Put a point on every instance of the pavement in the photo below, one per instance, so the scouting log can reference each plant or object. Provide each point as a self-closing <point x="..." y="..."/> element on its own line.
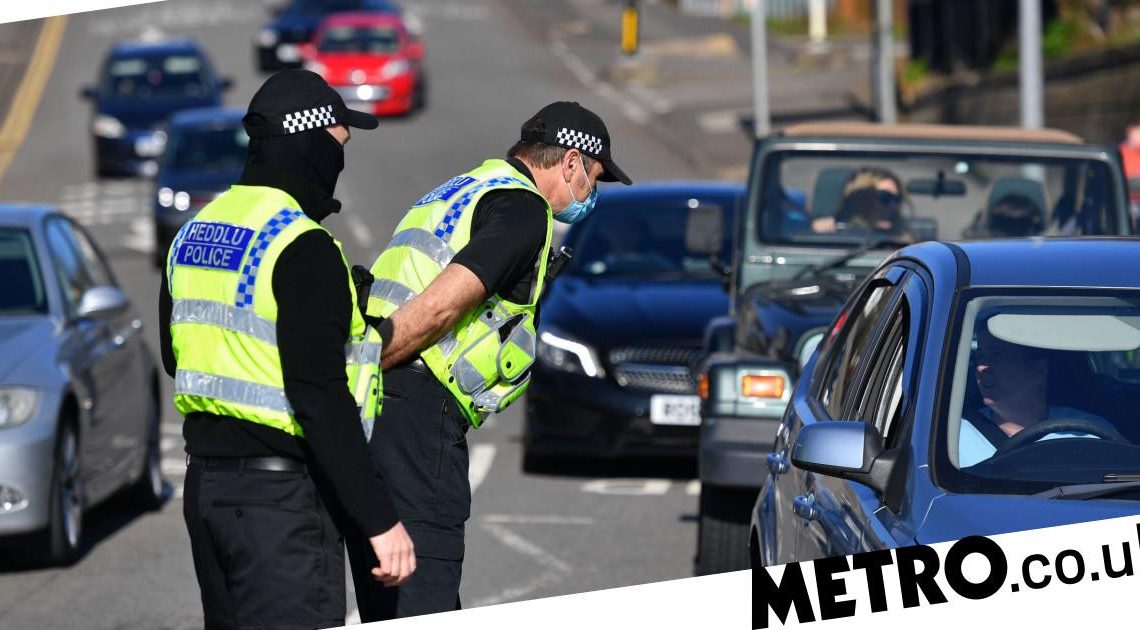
<point x="690" y="82"/>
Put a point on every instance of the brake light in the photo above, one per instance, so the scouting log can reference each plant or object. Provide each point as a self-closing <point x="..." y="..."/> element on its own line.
<point x="703" y="387"/>
<point x="762" y="386"/>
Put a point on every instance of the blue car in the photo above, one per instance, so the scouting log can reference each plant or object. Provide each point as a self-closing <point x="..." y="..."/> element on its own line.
<point x="964" y="389"/>
<point x="204" y="156"/>
<point x="620" y="325"/>
<point x="278" y="43"/>
<point x="140" y="85"/>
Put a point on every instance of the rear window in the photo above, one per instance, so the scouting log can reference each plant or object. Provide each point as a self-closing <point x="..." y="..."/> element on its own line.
<point x="376" y="40"/>
<point x="211" y="149"/>
<point x="21" y="284"/>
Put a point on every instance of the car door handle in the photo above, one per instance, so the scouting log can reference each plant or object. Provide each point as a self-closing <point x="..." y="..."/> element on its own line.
<point x="777" y="463"/>
<point x="805" y="507"/>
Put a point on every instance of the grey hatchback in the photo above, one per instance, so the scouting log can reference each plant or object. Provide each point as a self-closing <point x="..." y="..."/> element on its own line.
<point x="79" y="393"/>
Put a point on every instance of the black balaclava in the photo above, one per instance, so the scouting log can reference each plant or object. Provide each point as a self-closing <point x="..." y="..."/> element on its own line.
<point x="305" y="165"/>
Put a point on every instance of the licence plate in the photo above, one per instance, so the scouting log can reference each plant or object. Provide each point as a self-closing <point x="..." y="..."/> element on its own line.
<point x="675" y="410"/>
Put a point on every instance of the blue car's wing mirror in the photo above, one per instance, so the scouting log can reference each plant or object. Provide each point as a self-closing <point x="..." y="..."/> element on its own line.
<point x="854" y="451"/>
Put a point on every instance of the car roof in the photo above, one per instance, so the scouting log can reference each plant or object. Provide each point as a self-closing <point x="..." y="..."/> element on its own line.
<point x="23" y="215"/>
<point x="206" y="115"/>
<point x="1072" y="262"/>
<point x="914" y="131"/>
<point x="362" y="18"/>
<point x="179" y="45"/>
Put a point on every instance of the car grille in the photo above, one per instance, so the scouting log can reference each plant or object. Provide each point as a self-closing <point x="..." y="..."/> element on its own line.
<point x="659" y="369"/>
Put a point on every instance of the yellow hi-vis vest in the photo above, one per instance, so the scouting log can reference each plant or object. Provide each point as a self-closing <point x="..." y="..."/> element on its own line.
<point x="485" y="360"/>
<point x="224" y="320"/>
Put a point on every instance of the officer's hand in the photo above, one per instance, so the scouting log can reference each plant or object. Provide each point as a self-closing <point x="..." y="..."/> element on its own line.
<point x="396" y="554"/>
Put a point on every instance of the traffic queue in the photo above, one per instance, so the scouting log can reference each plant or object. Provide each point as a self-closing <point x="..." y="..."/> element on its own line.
<point x="829" y="333"/>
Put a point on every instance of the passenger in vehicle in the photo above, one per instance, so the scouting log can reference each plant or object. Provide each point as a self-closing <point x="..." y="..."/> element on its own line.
<point x="872" y="201"/>
<point x="1013" y="382"/>
<point x="1012" y="216"/>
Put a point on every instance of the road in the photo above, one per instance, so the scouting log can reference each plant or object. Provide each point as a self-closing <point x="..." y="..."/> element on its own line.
<point x="529" y="536"/>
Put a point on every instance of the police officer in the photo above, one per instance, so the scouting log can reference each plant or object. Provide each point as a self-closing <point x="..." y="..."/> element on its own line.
<point x="457" y="288"/>
<point x="272" y="367"/>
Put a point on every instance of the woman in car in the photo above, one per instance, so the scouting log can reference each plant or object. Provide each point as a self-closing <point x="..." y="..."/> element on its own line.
<point x="872" y="202"/>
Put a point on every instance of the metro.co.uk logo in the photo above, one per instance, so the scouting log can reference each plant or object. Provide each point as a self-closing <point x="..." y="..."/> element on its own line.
<point x="973" y="568"/>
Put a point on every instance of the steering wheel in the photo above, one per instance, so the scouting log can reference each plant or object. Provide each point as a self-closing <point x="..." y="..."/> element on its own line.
<point x="1098" y="428"/>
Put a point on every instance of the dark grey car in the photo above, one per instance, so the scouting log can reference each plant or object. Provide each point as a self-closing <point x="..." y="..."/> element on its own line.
<point x="79" y="393"/>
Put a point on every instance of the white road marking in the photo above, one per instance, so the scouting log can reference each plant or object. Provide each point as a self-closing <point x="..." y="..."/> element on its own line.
<point x="359" y="230"/>
<point x="169" y="443"/>
<point x="556" y="570"/>
<point x="523" y="519"/>
<point x="175" y="467"/>
<point x="482" y="455"/>
<point x="651" y="98"/>
<point x="586" y="76"/>
<point x="459" y="11"/>
<point x="172" y="15"/>
<point x="693" y="488"/>
<point x="628" y="487"/>
<point x="172" y="429"/>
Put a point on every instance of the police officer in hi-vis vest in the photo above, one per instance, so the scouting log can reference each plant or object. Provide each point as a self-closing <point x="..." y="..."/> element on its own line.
<point x="455" y="295"/>
<point x="277" y="375"/>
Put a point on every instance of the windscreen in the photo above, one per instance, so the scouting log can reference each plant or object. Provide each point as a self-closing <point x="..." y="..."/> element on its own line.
<point x="644" y="238"/>
<point x="376" y="40"/>
<point x="839" y="198"/>
<point x="156" y="76"/>
<point x="211" y="149"/>
<point x="1044" y="392"/>
<point x="21" y="285"/>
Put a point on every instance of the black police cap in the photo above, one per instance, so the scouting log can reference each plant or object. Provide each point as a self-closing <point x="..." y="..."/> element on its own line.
<point x="293" y="101"/>
<point x="572" y="126"/>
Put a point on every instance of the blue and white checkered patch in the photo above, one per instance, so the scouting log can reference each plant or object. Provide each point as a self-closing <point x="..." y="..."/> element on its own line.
<point x="269" y="231"/>
<point x="447" y="225"/>
<point x="445" y="191"/>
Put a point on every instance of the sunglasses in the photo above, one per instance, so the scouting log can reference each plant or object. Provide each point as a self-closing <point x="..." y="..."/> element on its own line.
<point x="888" y="198"/>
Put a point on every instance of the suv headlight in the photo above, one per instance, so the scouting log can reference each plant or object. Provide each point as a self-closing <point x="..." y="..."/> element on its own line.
<point x="107" y="127"/>
<point x="394" y="68"/>
<point x="17" y="405"/>
<point x="267" y="37"/>
<point x="565" y="354"/>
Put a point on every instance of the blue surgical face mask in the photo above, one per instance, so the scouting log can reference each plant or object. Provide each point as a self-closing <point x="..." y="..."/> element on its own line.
<point x="576" y="210"/>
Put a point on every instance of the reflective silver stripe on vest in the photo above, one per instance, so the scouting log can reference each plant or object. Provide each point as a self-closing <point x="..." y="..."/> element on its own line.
<point x="362" y="353"/>
<point x="231" y="390"/>
<point x="391" y="291"/>
<point x="426" y="243"/>
<point x="231" y="318"/>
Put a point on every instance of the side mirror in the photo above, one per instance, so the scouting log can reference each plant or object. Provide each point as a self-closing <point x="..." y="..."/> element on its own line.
<point x="308" y="50"/>
<point x="99" y="301"/>
<point x="853" y="451"/>
<point x="88" y="92"/>
<point x="704" y="230"/>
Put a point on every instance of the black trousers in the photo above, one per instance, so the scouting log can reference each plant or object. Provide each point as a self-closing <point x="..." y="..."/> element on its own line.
<point x="419" y="443"/>
<point x="266" y="552"/>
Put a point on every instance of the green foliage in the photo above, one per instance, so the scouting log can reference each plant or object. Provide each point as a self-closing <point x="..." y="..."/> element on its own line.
<point x="1059" y="37"/>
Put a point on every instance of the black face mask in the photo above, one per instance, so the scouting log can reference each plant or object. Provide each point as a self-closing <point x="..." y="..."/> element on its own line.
<point x="305" y="165"/>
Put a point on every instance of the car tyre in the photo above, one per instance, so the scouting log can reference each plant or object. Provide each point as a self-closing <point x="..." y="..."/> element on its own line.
<point x="722" y="529"/>
<point x="149" y="491"/>
<point x="534" y="463"/>
<point x="65" y="522"/>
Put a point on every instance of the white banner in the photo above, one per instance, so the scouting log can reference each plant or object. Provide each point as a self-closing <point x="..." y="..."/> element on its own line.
<point x="1071" y="576"/>
<point x="14" y="11"/>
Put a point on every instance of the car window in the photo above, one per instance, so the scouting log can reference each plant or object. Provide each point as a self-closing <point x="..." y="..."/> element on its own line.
<point x="848" y="353"/>
<point x="880" y="397"/>
<point x="156" y="75"/>
<point x="73" y="276"/>
<point x="21" y="285"/>
<point x="643" y="238"/>
<point x="97" y="270"/>
<point x="1044" y="391"/>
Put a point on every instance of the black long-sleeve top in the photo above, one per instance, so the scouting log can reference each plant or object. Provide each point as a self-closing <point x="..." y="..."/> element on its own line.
<point x="313" y="321"/>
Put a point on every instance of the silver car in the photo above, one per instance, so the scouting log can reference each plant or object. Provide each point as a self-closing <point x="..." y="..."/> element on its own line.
<point x="79" y="390"/>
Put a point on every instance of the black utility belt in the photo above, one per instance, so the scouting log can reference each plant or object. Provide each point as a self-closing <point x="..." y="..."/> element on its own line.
<point x="237" y="464"/>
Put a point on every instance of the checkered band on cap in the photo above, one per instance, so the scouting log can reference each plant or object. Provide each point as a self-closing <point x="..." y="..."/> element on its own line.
<point x="309" y="119"/>
<point x="580" y="140"/>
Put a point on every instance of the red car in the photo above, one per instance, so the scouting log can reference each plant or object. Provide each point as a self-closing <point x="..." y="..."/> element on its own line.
<point x="372" y="60"/>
